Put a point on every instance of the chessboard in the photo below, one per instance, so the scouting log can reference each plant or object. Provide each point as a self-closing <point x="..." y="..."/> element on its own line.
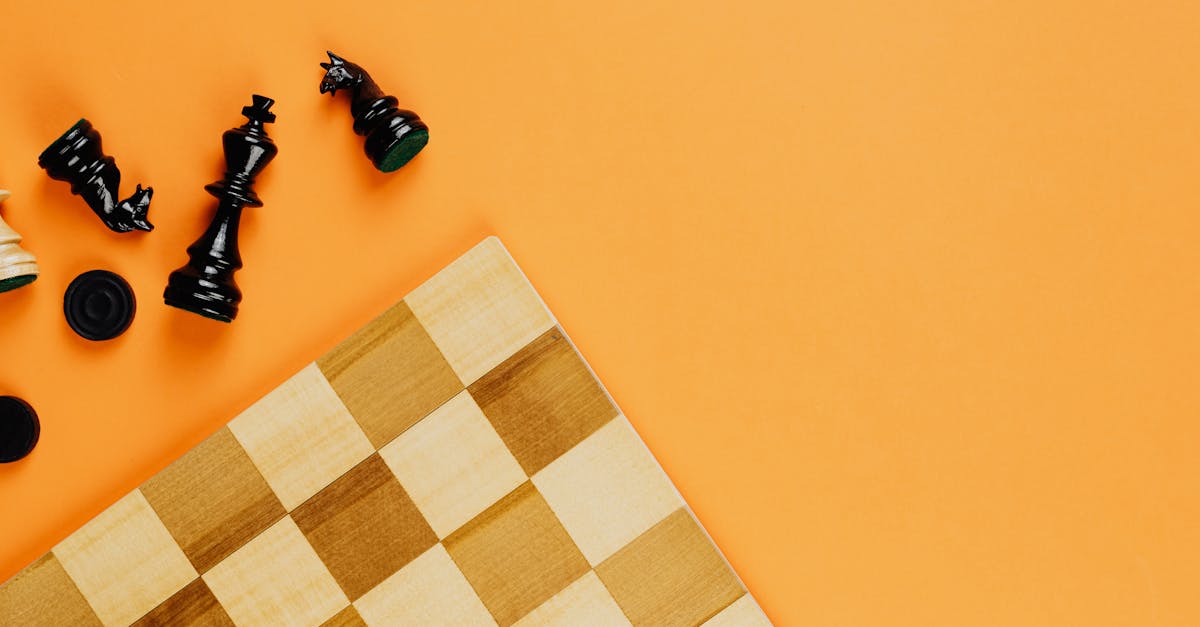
<point x="453" y="462"/>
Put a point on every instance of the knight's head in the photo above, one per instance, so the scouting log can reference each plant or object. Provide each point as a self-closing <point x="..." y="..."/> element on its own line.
<point x="339" y="74"/>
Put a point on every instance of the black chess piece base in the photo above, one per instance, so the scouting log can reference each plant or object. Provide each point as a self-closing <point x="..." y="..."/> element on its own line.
<point x="191" y="291"/>
<point x="99" y="305"/>
<point x="19" y="429"/>
<point x="400" y="149"/>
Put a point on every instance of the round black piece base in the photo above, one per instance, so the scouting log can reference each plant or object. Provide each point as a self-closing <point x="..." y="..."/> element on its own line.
<point x="55" y="153"/>
<point x="401" y="151"/>
<point x="99" y="305"/>
<point x="201" y="296"/>
<point x="19" y="429"/>
<point x="199" y="311"/>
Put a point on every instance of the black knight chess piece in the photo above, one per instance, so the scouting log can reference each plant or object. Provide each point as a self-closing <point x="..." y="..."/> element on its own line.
<point x="394" y="135"/>
<point x="77" y="158"/>
<point x="205" y="286"/>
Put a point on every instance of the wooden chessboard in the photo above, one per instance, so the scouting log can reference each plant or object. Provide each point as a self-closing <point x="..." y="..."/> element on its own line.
<point x="453" y="462"/>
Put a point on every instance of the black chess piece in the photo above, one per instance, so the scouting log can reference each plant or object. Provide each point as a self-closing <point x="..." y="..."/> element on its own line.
<point x="99" y="305"/>
<point x="205" y="286"/>
<point x="394" y="136"/>
<point x="19" y="429"/>
<point x="78" y="158"/>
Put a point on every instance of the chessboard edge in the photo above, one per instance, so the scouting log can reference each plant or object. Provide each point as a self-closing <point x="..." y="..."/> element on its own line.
<point x="604" y="388"/>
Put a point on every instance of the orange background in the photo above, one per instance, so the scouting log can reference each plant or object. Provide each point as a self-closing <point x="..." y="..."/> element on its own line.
<point x="904" y="298"/>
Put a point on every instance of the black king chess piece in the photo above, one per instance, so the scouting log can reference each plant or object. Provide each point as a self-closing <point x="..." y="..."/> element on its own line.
<point x="394" y="136"/>
<point x="205" y="286"/>
<point x="78" y="159"/>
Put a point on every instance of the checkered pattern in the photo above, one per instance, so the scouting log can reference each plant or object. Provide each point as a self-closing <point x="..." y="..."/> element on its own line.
<point x="454" y="462"/>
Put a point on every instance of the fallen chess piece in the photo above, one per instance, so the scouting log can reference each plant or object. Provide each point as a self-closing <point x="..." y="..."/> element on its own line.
<point x="19" y="429"/>
<point x="78" y="158"/>
<point x="205" y="286"/>
<point x="17" y="266"/>
<point x="394" y="136"/>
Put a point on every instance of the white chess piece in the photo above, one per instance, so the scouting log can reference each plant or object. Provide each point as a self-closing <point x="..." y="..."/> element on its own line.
<point x="17" y="266"/>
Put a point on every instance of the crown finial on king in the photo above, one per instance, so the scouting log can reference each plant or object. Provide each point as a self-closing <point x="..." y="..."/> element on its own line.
<point x="17" y="266"/>
<point x="394" y="135"/>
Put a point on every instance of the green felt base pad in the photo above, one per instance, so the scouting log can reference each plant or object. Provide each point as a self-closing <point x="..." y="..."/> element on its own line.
<point x="17" y="281"/>
<point x="404" y="151"/>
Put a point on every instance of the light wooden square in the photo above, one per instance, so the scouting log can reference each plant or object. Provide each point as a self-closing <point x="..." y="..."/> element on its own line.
<point x="607" y="490"/>
<point x="585" y="603"/>
<point x="127" y="542"/>
<point x="430" y="590"/>
<point x="276" y="579"/>
<point x="453" y="464"/>
<point x="301" y="437"/>
<point x="480" y="310"/>
<point x="743" y="612"/>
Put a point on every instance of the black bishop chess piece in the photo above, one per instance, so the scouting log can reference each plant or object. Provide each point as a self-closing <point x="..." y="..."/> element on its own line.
<point x="78" y="158"/>
<point x="394" y="135"/>
<point x="205" y="286"/>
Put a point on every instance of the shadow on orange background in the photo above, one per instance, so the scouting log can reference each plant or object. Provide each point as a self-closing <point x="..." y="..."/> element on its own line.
<point x="903" y="298"/>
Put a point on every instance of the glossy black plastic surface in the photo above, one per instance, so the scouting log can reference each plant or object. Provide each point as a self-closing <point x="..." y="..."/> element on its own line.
<point x="394" y="135"/>
<point x="19" y="429"/>
<point x="78" y="158"/>
<point x="205" y="286"/>
<point x="99" y="305"/>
